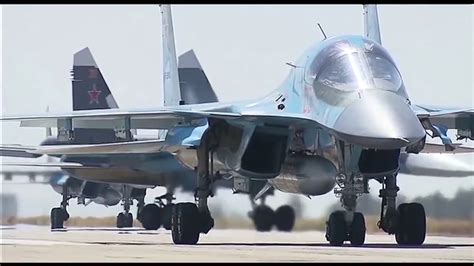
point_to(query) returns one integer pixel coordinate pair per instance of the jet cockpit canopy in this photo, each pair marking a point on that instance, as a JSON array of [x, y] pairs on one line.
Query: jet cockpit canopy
[[353, 64]]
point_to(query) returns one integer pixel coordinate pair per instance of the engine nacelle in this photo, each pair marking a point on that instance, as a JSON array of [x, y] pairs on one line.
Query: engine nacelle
[[307, 175], [74, 185], [108, 197]]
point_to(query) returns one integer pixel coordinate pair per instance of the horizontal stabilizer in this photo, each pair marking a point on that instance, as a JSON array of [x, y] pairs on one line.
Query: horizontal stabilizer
[[57, 164], [17, 151]]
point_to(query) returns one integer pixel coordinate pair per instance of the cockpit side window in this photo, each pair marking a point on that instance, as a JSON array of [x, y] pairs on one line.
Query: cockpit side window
[[317, 63], [338, 74], [384, 73]]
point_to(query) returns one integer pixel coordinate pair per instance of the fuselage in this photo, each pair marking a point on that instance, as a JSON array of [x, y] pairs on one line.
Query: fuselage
[[349, 86]]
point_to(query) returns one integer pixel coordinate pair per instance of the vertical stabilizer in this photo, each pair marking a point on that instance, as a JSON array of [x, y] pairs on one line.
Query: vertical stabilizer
[[171, 92], [89, 89], [194, 85], [90, 92], [371, 23]]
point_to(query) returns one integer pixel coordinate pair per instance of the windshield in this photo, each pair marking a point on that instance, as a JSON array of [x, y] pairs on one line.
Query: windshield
[[359, 71], [348, 67]]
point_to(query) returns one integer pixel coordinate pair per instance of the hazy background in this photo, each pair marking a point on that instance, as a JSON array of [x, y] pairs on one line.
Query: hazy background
[[243, 49]]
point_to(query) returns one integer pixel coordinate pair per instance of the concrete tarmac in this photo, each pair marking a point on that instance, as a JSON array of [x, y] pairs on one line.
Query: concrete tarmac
[[24, 243]]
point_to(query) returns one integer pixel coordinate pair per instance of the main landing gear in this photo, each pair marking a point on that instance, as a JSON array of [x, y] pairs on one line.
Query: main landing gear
[[407, 222], [188, 220], [264, 217], [59, 215], [154, 215]]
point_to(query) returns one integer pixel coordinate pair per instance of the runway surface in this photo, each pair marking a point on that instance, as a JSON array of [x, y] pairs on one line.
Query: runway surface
[[39, 244]]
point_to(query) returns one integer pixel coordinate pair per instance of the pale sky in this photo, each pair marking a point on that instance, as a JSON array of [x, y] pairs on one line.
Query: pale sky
[[243, 49]]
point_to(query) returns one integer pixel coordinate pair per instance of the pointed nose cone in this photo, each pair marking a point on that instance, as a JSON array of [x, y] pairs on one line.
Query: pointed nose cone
[[379, 120]]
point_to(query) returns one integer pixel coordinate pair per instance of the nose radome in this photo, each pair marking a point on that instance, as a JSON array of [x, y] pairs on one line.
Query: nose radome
[[379, 119]]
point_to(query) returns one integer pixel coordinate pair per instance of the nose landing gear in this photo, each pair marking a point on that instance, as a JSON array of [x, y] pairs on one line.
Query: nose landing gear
[[125, 218], [59, 215]]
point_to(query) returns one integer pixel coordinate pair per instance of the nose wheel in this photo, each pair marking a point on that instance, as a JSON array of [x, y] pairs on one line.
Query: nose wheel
[[357, 230], [124, 220], [338, 231], [285, 218], [263, 217], [59, 215]]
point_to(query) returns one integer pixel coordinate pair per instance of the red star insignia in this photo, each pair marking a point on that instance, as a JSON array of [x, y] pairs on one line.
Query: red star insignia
[[94, 95]]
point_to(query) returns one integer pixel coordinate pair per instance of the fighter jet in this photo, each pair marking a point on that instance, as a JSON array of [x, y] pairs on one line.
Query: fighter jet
[[194, 88], [91, 92], [341, 117]]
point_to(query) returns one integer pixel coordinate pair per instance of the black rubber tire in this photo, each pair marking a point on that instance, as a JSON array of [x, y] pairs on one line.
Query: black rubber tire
[[412, 230], [57, 218], [336, 229], [166, 216], [184, 225], [263, 218], [121, 220], [357, 230], [128, 220], [150, 216], [285, 218]]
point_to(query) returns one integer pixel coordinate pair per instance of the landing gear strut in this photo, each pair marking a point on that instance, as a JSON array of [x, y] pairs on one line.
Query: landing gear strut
[[166, 208], [60, 215], [188, 220], [389, 216], [262, 215], [407, 222], [347, 225], [125, 218]]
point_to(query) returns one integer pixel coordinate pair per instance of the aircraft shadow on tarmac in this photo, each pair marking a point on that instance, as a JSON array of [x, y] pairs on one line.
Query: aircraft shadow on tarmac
[[371, 245], [146, 232], [118, 230], [139, 231]]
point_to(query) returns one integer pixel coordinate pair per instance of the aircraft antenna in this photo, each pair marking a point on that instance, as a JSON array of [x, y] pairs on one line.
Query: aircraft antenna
[[48, 129], [322, 31]]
